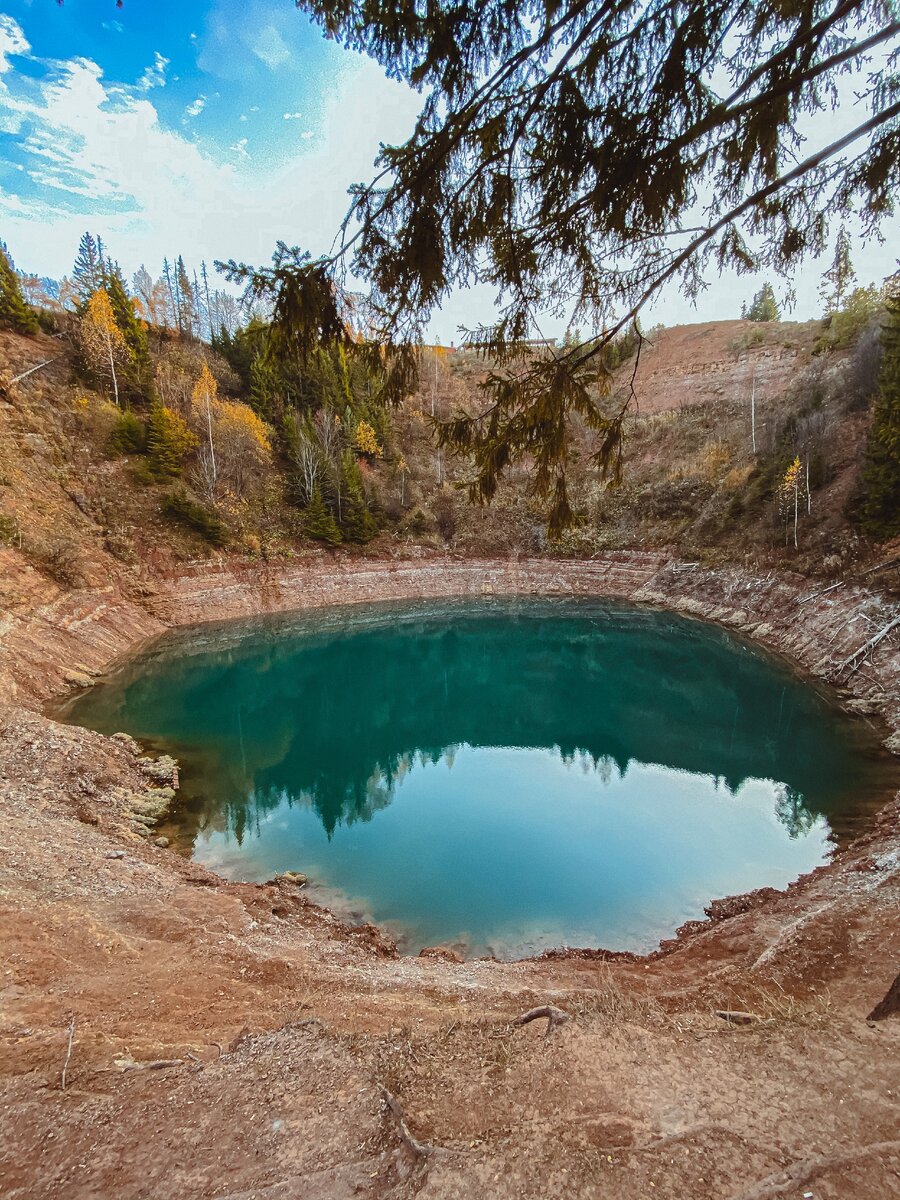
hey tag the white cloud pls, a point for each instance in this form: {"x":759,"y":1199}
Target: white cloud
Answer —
{"x":102,"y":159}
{"x":294,"y":116}
{"x":12,"y":41}
{"x":306,"y":135}
{"x":254,"y":108}
{"x":113,"y":26}
{"x":242,"y":117}
{"x":154,"y":75}
{"x":271,"y":48}
{"x":195,"y":108}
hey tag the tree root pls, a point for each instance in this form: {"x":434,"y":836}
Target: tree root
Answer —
{"x":154,"y":1064}
{"x":805,"y":1169}
{"x":419,"y":1150}
{"x":555,"y":1017}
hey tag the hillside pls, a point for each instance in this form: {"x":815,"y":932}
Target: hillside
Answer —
{"x":84,"y":513}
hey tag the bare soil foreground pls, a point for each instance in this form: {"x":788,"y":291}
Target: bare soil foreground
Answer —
{"x":166,"y":1034}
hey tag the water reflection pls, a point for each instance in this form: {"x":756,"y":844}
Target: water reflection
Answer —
{"x":357,"y":721}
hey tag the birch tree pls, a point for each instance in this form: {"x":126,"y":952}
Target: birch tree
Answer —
{"x":102,"y":343}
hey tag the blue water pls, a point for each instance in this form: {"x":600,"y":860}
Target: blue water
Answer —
{"x":502,"y":776}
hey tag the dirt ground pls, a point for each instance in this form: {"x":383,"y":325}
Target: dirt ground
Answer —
{"x":164,"y":1033}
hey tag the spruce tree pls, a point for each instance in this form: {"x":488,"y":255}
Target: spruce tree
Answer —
{"x":169,"y":440}
{"x":138,"y":378}
{"x":880,"y":480}
{"x":186,"y":309}
{"x":764,"y":306}
{"x":357,"y":522}
{"x":88,"y":272}
{"x":14,"y":312}
{"x":318,"y":522}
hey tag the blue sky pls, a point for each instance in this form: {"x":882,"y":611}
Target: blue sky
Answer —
{"x":215,"y":130}
{"x":212,"y":133}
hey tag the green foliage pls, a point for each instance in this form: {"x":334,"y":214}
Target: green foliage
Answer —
{"x":357,"y":521}
{"x":88,"y":271}
{"x":169,"y":441}
{"x":558,"y":150}
{"x":137,"y":376}
{"x":877,"y":506}
{"x":840,"y":276}
{"x":763,"y":307}
{"x":129,"y":434}
{"x":14,"y":312}
{"x":845,"y":324}
{"x":202,"y":519}
{"x":318,"y":523}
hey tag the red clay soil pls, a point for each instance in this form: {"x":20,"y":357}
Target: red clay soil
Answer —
{"x":164,"y":1033}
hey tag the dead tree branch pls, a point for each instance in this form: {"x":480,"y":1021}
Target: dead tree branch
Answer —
{"x":418,"y":1149}
{"x":68,"y":1054}
{"x":800,"y":1173}
{"x":555,"y":1017}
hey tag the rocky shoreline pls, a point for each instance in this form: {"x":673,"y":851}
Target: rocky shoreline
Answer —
{"x":173,"y":988}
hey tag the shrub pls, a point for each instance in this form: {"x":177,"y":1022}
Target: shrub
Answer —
{"x":179,"y":507}
{"x":129,"y":435}
{"x":169,"y":440}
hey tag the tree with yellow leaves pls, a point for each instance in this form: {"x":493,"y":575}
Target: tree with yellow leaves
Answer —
{"x":367,"y":440}
{"x":402,"y":472}
{"x":793,"y":485}
{"x":243,"y":445}
{"x":102,"y":343}
{"x":203,"y":398}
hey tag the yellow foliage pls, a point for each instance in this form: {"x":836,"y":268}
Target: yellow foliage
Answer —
{"x":791,"y":477}
{"x":235,"y":418}
{"x":714,"y":458}
{"x":738,"y":476}
{"x":102,"y":343}
{"x":206,"y":390}
{"x":367,"y":440}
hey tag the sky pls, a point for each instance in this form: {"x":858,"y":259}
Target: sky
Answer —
{"x":216,"y":131}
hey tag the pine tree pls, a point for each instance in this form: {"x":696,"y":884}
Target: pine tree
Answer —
{"x":173,"y":307}
{"x":186,"y":311}
{"x":840,"y":277}
{"x":357,"y":522}
{"x":318,"y":522}
{"x":102,"y":344}
{"x":764,"y":306}
{"x":14,"y":312}
{"x":880,"y":479}
{"x":211,"y":322}
{"x":138,"y":376}
{"x":169,"y":440}
{"x":88,"y":272}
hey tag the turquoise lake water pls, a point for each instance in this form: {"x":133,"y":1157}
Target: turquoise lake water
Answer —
{"x":504,"y":776}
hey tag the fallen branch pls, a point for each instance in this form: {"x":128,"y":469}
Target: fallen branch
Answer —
{"x":735,"y":1016}
{"x":555,"y":1017}
{"x":799,"y":1173}
{"x":858,"y":657}
{"x":68,"y":1054}
{"x":31,"y":371}
{"x":155,"y":1064}
{"x":821,"y":592}
{"x":417,"y":1148}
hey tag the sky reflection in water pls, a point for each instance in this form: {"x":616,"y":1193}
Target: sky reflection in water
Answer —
{"x":508,"y":775}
